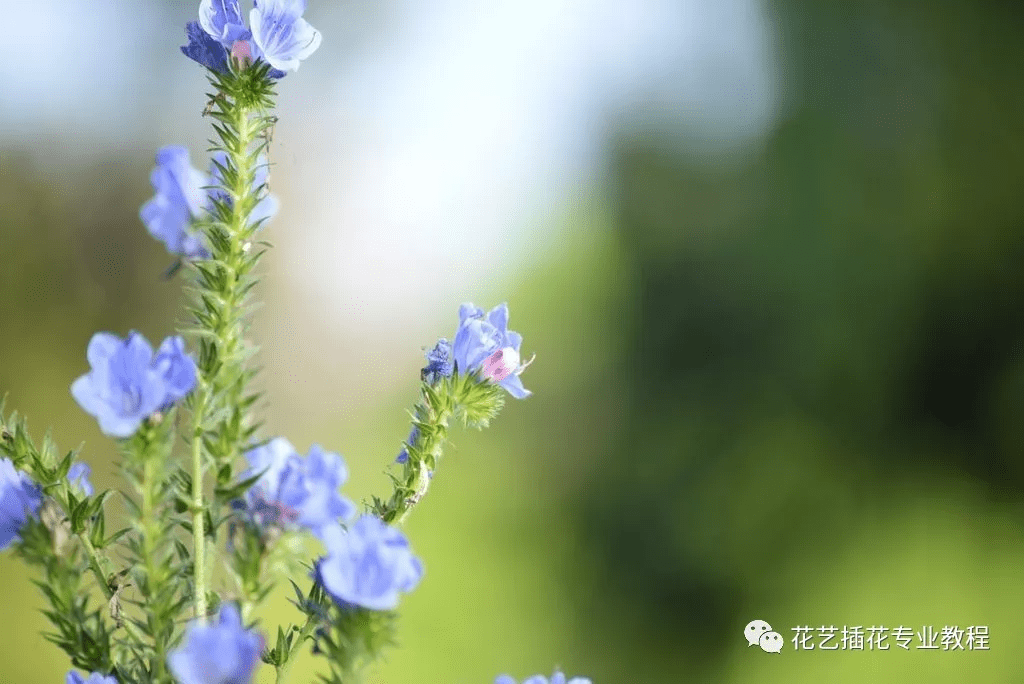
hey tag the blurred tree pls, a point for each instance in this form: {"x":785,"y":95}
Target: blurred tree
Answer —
{"x":822,"y":326}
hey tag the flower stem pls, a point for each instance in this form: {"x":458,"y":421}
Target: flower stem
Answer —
{"x":220,"y":412}
{"x":284,"y":670}
{"x":432,"y":415}
{"x":155,"y":570}
{"x":460,"y":396}
{"x":198,"y":520}
{"x":146,"y":461}
{"x":96,"y":564}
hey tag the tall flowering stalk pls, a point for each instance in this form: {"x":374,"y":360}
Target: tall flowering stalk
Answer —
{"x":220,"y":409}
{"x":228,"y":500}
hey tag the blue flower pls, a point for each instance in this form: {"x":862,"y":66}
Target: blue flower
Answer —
{"x":440,"y":363}
{"x":403,"y":456}
{"x":279,"y":35}
{"x":557,"y":678}
{"x":222,"y":21}
{"x":126,"y":383}
{"x":294,"y":490}
{"x":20,"y":498}
{"x":478,"y":341}
{"x":176,"y":367}
{"x":282,"y":37}
{"x":180,"y":197}
{"x":78,"y":476}
{"x":266,"y":207}
{"x":95,"y":678}
{"x":368,"y":565}
{"x":204,"y":49}
{"x":224,"y":653}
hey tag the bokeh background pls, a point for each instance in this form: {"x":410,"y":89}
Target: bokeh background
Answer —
{"x":768,"y":253}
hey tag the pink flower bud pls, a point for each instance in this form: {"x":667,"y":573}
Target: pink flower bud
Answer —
{"x":241,"y":52}
{"x":500,"y":364}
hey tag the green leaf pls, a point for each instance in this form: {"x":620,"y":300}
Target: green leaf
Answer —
{"x":114,"y":537}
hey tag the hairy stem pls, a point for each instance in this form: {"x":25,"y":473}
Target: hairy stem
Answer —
{"x":432,"y":415}
{"x":220,"y":415}
{"x":155,"y":570}
{"x":100,"y":571}
{"x":198,"y":521}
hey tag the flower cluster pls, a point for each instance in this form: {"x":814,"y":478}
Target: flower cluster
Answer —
{"x":185,"y":194}
{"x":20,"y":498}
{"x":295,"y":491}
{"x":367,"y":565}
{"x":225,"y":653}
{"x":278,"y":35}
{"x":440,"y":363}
{"x":485,"y":344}
{"x":179,"y":200}
{"x":127,"y":382}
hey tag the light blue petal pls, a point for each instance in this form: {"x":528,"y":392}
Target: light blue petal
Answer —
{"x":78,"y":475}
{"x":113,"y":425}
{"x":514,"y":385}
{"x":83,"y":392}
{"x":282,"y":36}
{"x":514,"y":340}
{"x":102,"y":347}
{"x":326,"y":466}
{"x":176,"y":369}
{"x":468,"y":310}
{"x":483,"y":341}
{"x":498,"y":317}
{"x":184,"y":179}
{"x":229,"y":616}
{"x":138,"y":352}
{"x":222,"y":20}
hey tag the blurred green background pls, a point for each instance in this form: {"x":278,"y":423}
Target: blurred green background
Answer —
{"x":779,"y":376}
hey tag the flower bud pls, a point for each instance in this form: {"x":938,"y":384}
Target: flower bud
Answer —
{"x":500,"y":364}
{"x":241,"y":52}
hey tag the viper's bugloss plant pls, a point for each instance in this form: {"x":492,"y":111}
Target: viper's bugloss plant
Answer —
{"x":214,"y":510}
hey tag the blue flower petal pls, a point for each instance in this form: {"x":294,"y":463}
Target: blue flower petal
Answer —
{"x":514,"y":385}
{"x":222,"y":20}
{"x":225,"y":652}
{"x":294,"y":490}
{"x":20,"y":498}
{"x":282,"y":37}
{"x":498,"y":317}
{"x":177,"y":369}
{"x":78,"y":476}
{"x":204,"y":49}
{"x":126,"y":384}
{"x":369,"y":565}
{"x":180,"y":199}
